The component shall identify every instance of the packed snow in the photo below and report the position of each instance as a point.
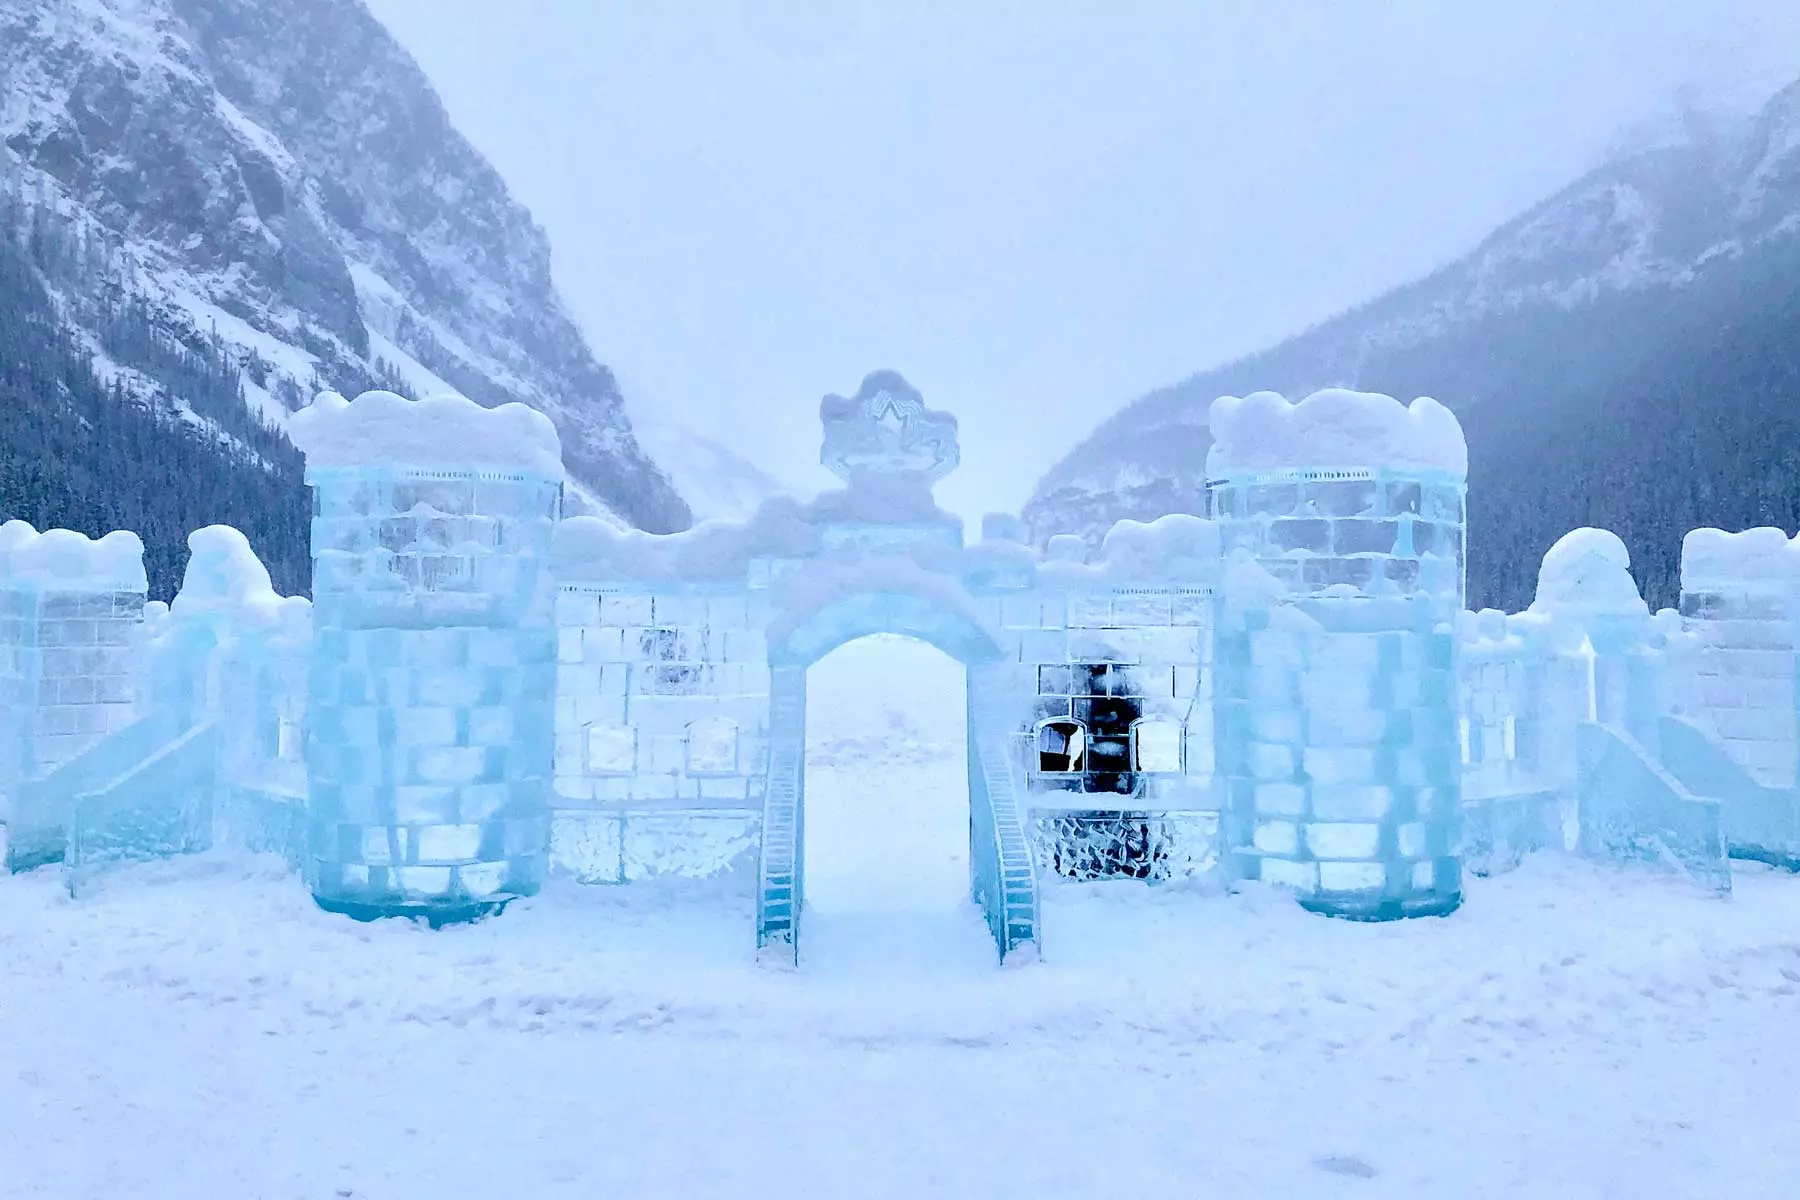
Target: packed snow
(61, 559)
(200, 1028)
(1712, 558)
(382, 428)
(1334, 427)
(225, 578)
(1587, 571)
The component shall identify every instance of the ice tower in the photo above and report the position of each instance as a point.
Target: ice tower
(432, 684)
(70, 610)
(1341, 519)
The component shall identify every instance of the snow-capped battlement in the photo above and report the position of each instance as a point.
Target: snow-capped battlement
(63, 560)
(1334, 427)
(1713, 558)
(382, 429)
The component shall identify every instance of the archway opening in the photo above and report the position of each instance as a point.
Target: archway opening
(886, 830)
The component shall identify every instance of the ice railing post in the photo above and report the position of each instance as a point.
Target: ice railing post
(1341, 521)
(70, 613)
(432, 685)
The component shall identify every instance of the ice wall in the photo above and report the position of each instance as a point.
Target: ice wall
(1740, 597)
(1335, 705)
(70, 611)
(432, 683)
(662, 706)
(1571, 730)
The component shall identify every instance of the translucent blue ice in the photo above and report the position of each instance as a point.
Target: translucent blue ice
(1285, 690)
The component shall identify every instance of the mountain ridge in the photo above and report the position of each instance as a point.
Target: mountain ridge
(1656, 250)
(274, 182)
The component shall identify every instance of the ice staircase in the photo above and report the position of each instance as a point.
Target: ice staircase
(1000, 864)
(779, 883)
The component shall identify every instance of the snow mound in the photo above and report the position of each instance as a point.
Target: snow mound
(448, 431)
(225, 578)
(1712, 558)
(63, 560)
(1587, 572)
(1335, 427)
(1179, 547)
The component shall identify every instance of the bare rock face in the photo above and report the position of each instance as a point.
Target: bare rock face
(276, 179)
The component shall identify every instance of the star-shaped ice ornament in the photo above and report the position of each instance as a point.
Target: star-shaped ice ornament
(886, 430)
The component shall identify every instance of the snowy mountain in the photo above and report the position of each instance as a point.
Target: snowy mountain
(1624, 354)
(717, 482)
(274, 184)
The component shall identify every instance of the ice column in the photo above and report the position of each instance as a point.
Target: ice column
(432, 685)
(1341, 519)
(70, 612)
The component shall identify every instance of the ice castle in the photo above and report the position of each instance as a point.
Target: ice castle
(1286, 688)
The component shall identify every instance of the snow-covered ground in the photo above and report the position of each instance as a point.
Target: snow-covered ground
(200, 1029)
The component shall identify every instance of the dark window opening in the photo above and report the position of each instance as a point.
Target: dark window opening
(1062, 747)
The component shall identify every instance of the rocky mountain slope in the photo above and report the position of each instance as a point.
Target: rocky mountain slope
(1627, 353)
(272, 185)
(717, 482)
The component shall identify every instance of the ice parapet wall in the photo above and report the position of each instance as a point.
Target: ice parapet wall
(434, 654)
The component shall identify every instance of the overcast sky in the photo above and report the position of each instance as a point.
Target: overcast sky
(1036, 211)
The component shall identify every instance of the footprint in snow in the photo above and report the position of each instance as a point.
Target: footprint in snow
(1345, 1164)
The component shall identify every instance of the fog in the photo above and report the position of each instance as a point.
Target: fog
(1036, 211)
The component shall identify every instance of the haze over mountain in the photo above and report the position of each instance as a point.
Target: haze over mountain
(1034, 212)
(216, 206)
(1624, 354)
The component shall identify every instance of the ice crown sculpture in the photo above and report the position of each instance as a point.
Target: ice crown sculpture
(1285, 689)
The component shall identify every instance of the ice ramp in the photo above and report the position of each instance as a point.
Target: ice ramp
(1761, 823)
(1630, 806)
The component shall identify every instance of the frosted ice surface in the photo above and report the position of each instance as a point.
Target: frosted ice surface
(383, 429)
(1334, 428)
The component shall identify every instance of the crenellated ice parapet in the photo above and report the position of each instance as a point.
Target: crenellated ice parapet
(62, 560)
(1334, 427)
(382, 429)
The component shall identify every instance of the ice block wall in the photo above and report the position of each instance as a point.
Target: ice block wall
(1740, 597)
(662, 712)
(432, 680)
(1341, 519)
(70, 611)
(1119, 738)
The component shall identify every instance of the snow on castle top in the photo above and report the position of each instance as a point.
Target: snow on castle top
(381, 429)
(1587, 573)
(1333, 428)
(1712, 558)
(59, 560)
(225, 578)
